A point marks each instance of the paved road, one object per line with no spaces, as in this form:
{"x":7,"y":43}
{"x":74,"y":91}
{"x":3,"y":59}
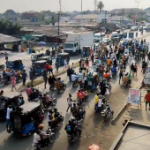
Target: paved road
{"x":26,"y":59}
{"x":94,"y":130}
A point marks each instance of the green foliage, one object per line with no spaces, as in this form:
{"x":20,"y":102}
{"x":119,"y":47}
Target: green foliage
{"x":100,"y":6}
{"x":9,"y":28}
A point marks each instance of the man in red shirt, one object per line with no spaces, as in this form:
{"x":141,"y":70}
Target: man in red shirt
{"x":81,"y":95}
{"x":147,"y":99}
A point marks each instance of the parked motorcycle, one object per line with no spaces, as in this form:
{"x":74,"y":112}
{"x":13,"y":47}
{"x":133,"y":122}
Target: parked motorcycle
{"x":107,"y":113}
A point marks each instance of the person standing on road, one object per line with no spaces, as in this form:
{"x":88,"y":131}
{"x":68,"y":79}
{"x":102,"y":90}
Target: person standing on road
{"x":57,"y":66}
{"x":24,"y":77}
{"x":92,"y":58}
{"x":31,"y":76}
{"x":69,"y":101}
{"x":50,"y":69}
{"x":120,"y":74}
{"x":147,"y":100}
{"x":8,"y":121}
{"x":13,"y":82}
{"x":45,"y":77}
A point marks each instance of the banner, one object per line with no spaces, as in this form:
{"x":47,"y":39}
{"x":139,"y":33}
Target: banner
{"x":134,"y":97}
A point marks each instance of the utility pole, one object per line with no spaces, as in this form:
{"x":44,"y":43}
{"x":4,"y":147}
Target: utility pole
{"x":95,"y":6}
{"x":138,"y":2}
{"x":81,"y":19}
{"x":59,"y":13}
{"x":105,"y":16}
{"x":122,"y":18}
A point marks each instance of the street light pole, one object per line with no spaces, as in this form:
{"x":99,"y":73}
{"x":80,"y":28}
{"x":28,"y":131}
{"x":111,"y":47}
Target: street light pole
{"x":138,"y":2}
{"x":81,"y":18}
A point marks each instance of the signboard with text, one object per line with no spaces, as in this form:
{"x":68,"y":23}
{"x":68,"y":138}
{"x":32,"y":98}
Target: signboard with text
{"x":134,"y":97}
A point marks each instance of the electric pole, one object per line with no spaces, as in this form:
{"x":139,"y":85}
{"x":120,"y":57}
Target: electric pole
{"x":59,"y":13}
{"x":95,"y":6}
{"x":105,"y":16}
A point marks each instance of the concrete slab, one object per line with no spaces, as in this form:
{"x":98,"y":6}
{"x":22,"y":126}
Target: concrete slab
{"x":135,"y":138}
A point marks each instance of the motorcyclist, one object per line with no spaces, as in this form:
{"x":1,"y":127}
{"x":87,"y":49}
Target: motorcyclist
{"x":106,"y":75}
{"x":44,"y":136}
{"x":114,"y":71}
{"x":74,"y":78}
{"x":60,"y":82}
{"x":56,"y":114}
{"x":70,"y":129}
{"x":74,"y":110}
{"x":36,"y":139}
{"x":96,"y":98}
{"x":81,"y":95}
{"x":47,"y":100}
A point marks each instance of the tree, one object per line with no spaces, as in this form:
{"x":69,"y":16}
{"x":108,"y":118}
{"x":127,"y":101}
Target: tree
{"x":7,"y":27}
{"x":100,"y":6}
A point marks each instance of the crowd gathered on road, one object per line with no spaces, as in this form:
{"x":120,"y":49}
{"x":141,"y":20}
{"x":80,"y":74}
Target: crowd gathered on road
{"x":96,"y":70}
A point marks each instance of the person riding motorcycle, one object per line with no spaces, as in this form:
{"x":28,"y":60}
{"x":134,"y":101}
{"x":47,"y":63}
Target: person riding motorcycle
{"x":74,"y":110}
{"x":55,"y":119}
{"x":96,"y":98}
{"x":47,"y":100}
{"x":127,"y":79}
{"x":72,"y":129}
{"x":61,"y":84}
{"x":107,"y":75}
{"x":44,"y":136}
{"x":114,"y":71}
{"x":81,"y":95}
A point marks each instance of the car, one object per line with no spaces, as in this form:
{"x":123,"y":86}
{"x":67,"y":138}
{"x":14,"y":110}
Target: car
{"x":106,"y":41}
{"x":134,"y":28}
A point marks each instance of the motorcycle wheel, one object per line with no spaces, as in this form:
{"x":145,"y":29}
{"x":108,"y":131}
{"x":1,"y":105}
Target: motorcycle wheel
{"x":52,"y":139}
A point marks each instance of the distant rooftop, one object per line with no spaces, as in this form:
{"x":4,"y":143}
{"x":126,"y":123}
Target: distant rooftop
{"x":89,"y":16}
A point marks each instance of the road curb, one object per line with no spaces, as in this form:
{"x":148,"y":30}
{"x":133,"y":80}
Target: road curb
{"x":40,"y":80}
{"x":119,"y":114}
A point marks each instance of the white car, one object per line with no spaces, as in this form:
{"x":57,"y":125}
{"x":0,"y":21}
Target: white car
{"x":134,"y":28}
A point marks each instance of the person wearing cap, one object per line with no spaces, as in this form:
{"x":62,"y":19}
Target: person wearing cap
{"x":147,"y":100}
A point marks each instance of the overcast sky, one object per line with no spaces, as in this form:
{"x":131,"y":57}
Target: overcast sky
{"x":67,"y":5}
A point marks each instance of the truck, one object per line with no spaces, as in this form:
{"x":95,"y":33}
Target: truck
{"x":75,"y":42}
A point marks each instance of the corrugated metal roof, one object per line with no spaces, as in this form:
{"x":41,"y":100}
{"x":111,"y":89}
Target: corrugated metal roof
{"x":89,"y":16}
{"x":8,"y":39}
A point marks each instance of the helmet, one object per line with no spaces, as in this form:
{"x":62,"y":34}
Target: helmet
{"x":41,"y":126}
{"x":55,"y":109}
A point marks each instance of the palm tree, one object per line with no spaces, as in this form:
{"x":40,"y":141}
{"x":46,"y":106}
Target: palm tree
{"x":100,"y":6}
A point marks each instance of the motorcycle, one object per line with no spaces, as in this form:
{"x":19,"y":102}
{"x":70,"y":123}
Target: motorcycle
{"x":34,"y":97}
{"x":107,"y":113}
{"x":58,"y":121}
{"x":51,"y":139}
{"x":99,"y":109}
{"x":73,"y":137}
{"x":52,"y":103}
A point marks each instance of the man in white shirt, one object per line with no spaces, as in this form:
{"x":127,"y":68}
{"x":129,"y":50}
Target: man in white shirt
{"x":100,"y":102}
{"x":8,"y":122}
{"x":73,"y":77}
{"x":36,"y":138}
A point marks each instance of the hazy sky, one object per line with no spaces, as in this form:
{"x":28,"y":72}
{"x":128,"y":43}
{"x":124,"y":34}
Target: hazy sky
{"x":67,"y":5}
